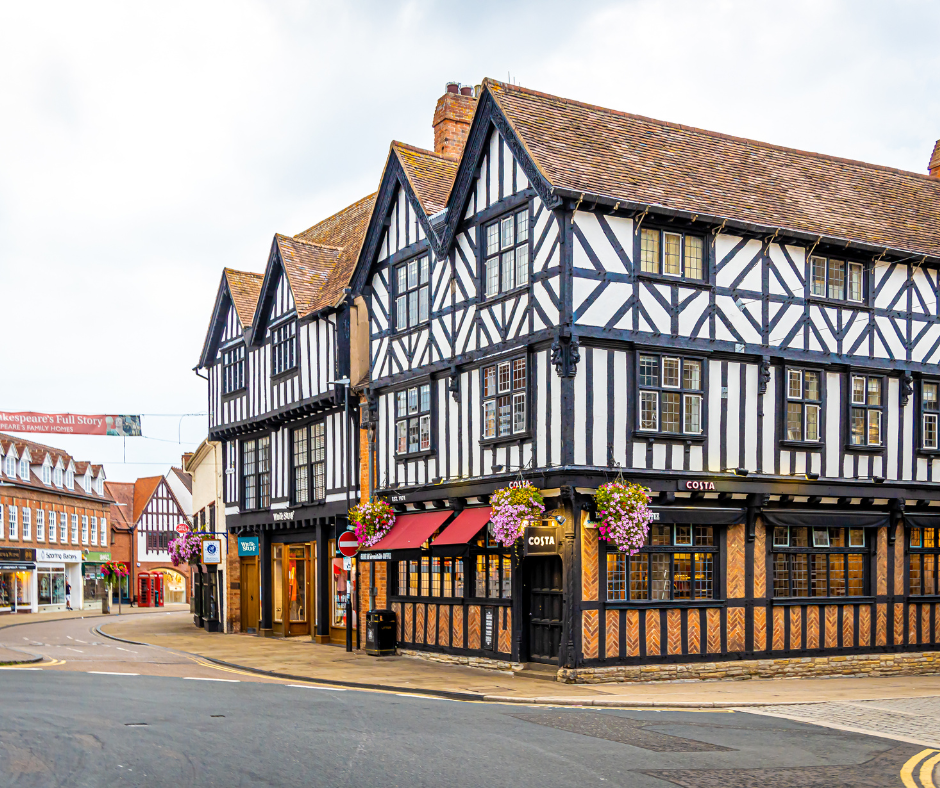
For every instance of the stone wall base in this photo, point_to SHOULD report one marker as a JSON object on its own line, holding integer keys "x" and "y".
{"x": 473, "y": 662}
{"x": 849, "y": 665}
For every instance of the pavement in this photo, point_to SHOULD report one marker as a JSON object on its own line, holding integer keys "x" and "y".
{"x": 301, "y": 658}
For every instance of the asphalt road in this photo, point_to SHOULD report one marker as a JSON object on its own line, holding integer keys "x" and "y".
{"x": 101, "y": 713}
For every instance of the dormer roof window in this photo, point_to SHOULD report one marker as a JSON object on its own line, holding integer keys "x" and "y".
{"x": 10, "y": 466}
{"x": 70, "y": 479}
{"x": 46, "y": 474}
{"x": 24, "y": 469}
{"x": 57, "y": 477}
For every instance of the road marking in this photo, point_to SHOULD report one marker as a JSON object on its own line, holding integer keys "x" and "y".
{"x": 926, "y": 771}
{"x": 204, "y": 678}
{"x": 423, "y": 697}
{"x": 70, "y": 637}
{"x": 317, "y": 686}
{"x": 907, "y": 771}
{"x": 75, "y": 649}
{"x": 110, "y": 673}
{"x": 16, "y": 667}
{"x": 80, "y": 641}
{"x": 126, "y": 649}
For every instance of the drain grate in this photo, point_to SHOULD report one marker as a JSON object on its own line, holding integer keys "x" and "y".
{"x": 619, "y": 729}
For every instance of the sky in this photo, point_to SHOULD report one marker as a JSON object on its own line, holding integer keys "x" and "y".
{"x": 145, "y": 146}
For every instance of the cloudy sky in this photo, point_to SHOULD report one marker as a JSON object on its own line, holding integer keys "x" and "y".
{"x": 144, "y": 146}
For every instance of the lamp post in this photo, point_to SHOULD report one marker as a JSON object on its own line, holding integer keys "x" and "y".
{"x": 345, "y": 384}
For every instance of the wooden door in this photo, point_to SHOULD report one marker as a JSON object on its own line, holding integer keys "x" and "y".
{"x": 250, "y": 598}
{"x": 545, "y": 601}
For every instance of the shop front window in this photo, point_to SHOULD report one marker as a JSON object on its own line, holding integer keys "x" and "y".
{"x": 922, "y": 560}
{"x": 431, "y": 577}
{"x": 340, "y": 590}
{"x": 819, "y": 562}
{"x": 51, "y": 586}
{"x": 297, "y": 583}
{"x": 278, "y": 583}
{"x": 492, "y": 570}
{"x": 15, "y": 589}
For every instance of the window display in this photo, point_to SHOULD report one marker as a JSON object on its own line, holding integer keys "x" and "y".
{"x": 51, "y": 586}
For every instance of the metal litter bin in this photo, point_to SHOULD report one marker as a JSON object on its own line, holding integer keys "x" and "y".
{"x": 381, "y": 635}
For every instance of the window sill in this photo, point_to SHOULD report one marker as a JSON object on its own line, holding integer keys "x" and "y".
{"x": 230, "y": 395}
{"x": 674, "y": 280}
{"x": 817, "y": 445}
{"x": 790, "y": 601}
{"x": 864, "y": 449}
{"x": 929, "y": 452}
{"x": 287, "y": 373}
{"x": 415, "y": 455}
{"x": 301, "y": 504}
{"x": 486, "y": 300}
{"x": 519, "y": 436}
{"x": 667, "y": 436}
{"x": 841, "y": 304}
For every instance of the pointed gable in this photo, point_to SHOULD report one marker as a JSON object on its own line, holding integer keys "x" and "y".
{"x": 431, "y": 176}
{"x": 244, "y": 289}
{"x": 144, "y": 489}
{"x": 234, "y": 311}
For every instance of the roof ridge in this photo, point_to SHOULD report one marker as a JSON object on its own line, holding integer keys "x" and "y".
{"x": 309, "y": 243}
{"x": 416, "y": 149}
{"x": 227, "y": 270}
{"x": 337, "y": 213}
{"x": 716, "y": 134}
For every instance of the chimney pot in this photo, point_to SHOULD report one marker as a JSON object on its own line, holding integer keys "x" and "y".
{"x": 934, "y": 167}
{"x": 452, "y": 117}
{"x": 452, "y": 87}
{"x": 466, "y": 90}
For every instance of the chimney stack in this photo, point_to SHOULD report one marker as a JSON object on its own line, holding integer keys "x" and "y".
{"x": 934, "y": 167}
{"x": 452, "y": 118}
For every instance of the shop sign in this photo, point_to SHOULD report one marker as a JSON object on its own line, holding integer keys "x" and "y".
{"x": 695, "y": 485}
{"x": 387, "y": 556}
{"x": 182, "y": 528}
{"x": 248, "y": 545}
{"x": 95, "y": 556}
{"x": 279, "y": 516}
{"x": 540, "y": 540}
{"x": 17, "y": 554}
{"x": 489, "y": 629}
{"x": 212, "y": 551}
{"x": 59, "y": 556}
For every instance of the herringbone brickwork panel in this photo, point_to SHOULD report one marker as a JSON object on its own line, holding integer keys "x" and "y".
{"x": 713, "y": 633}
{"x": 925, "y": 623}
{"x": 881, "y": 571}
{"x": 832, "y": 626}
{"x": 381, "y": 582}
{"x": 589, "y": 619}
{"x": 779, "y": 631}
{"x": 653, "y": 645}
{"x": 419, "y": 623}
{"x": 848, "y": 626}
{"x": 881, "y": 625}
{"x": 432, "y": 625}
{"x": 695, "y": 631}
{"x": 759, "y": 642}
{"x": 864, "y": 625}
{"x": 633, "y": 633}
{"x": 612, "y": 635}
{"x": 409, "y": 621}
{"x": 760, "y": 562}
{"x": 936, "y": 623}
{"x": 396, "y": 606}
{"x": 473, "y": 627}
{"x": 899, "y": 560}
{"x": 735, "y": 561}
{"x": 912, "y": 623}
{"x": 443, "y": 625}
{"x": 589, "y": 549}
{"x": 898, "y": 623}
{"x": 735, "y": 629}
{"x": 796, "y": 627}
{"x": 456, "y": 627}
{"x": 674, "y": 632}
{"x": 812, "y": 627}
{"x": 505, "y": 633}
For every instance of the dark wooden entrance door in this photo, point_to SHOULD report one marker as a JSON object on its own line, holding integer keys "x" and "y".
{"x": 250, "y": 599}
{"x": 545, "y": 597}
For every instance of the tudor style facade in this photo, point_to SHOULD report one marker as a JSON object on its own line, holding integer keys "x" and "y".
{"x": 567, "y": 310}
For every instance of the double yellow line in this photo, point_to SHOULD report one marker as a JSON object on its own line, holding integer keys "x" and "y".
{"x": 927, "y": 760}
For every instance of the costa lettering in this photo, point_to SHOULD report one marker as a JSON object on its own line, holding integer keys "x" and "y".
{"x": 541, "y": 541}
{"x": 699, "y": 486}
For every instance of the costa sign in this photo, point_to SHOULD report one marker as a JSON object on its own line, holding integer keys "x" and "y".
{"x": 696, "y": 485}
{"x": 540, "y": 540}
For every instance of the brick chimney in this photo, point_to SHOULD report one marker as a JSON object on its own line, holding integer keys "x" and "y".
{"x": 934, "y": 167}
{"x": 452, "y": 118}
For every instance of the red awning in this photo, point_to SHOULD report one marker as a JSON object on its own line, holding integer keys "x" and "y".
{"x": 410, "y": 531}
{"x": 455, "y": 537}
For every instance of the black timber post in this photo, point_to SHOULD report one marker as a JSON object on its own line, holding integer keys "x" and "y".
{"x": 570, "y": 565}
{"x": 565, "y": 348}
{"x": 323, "y": 570}
{"x": 267, "y": 589}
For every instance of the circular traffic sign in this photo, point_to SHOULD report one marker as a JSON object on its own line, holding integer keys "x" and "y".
{"x": 182, "y": 528}
{"x": 348, "y": 544}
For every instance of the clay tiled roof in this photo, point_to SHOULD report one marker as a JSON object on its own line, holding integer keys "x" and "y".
{"x": 144, "y": 489}
{"x": 308, "y": 267}
{"x": 37, "y": 453}
{"x": 431, "y": 176}
{"x": 597, "y": 151}
{"x": 245, "y": 288}
{"x": 341, "y": 236}
{"x": 122, "y": 493}
{"x": 934, "y": 165}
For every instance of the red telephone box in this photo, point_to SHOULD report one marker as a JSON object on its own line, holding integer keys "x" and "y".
{"x": 144, "y": 597}
{"x": 157, "y": 582}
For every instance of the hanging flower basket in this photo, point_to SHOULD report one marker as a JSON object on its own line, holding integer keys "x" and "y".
{"x": 624, "y": 515}
{"x": 372, "y": 520}
{"x": 513, "y": 507}
{"x": 185, "y": 549}
{"x": 114, "y": 571}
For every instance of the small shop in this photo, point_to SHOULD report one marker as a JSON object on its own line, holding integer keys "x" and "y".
{"x": 94, "y": 588}
{"x": 292, "y": 588}
{"x": 17, "y": 580}
{"x": 341, "y": 588}
{"x": 174, "y": 586}
{"x": 57, "y": 573}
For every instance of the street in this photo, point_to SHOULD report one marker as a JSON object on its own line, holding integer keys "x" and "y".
{"x": 100, "y": 712}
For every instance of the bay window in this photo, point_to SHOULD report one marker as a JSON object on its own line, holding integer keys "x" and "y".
{"x": 504, "y": 399}
{"x": 866, "y": 411}
{"x": 804, "y": 405}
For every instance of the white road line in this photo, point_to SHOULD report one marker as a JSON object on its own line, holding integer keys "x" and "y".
{"x": 80, "y": 641}
{"x": 126, "y": 649}
{"x": 110, "y": 673}
{"x": 14, "y": 667}
{"x": 423, "y": 697}
{"x": 75, "y": 649}
{"x": 310, "y": 686}
{"x": 203, "y": 678}
{"x": 69, "y": 637}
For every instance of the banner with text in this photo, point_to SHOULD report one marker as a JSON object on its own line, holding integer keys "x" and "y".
{"x": 70, "y": 423}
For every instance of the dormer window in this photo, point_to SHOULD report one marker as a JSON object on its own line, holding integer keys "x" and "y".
{"x": 46, "y": 474}
{"x": 284, "y": 347}
{"x": 673, "y": 254}
{"x": 24, "y": 469}
{"x": 69, "y": 479}
{"x": 10, "y": 469}
{"x": 57, "y": 477}
{"x": 411, "y": 293}
{"x": 507, "y": 253}
{"x": 99, "y": 485}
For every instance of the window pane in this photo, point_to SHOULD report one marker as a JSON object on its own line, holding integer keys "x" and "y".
{"x": 856, "y": 578}
{"x": 874, "y": 391}
{"x": 820, "y": 537}
{"x": 811, "y": 384}
{"x": 425, "y": 397}
{"x": 649, "y": 371}
{"x": 423, "y": 266}
{"x": 522, "y": 226}
{"x": 858, "y": 391}
{"x": 855, "y": 281}
{"x": 616, "y": 577}
{"x": 874, "y": 427}
{"x": 401, "y": 312}
{"x": 506, "y": 591}
{"x": 425, "y": 433}
{"x": 522, "y": 265}
{"x": 693, "y": 257}
{"x": 683, "y": 535}
{"x": 794, "y": 421}
{"x": 509, "y": 270}
{"x": 458, "y": 577}
{"x": 693, "y": 414}
{"x": 425, "y": 571}
{"x": 402, "y": 279}
{"x": 508, "y": 232}
{"x": 422, "y": 304}
{"x": 413, "y": 400}
{"x": 672, "y": 264}
{"x": 914, "y": 572}
{"x": 639, "y": 580}
{"x": 703, "y": 575}
{"x": 402, "y": 578}
{"x": 858, "y": 426}
{"x": 837, "y": 575}
{"x": 930, "y": 396}
{"x": 794, "y": 384}
{"x": 492, "y": 239}
{"x": 856, "y": 537}
{"x": 800, "y": 575}
{"x": 489, "y": 419}
{"x": 671, "y": 372}
{"x": 401, "y": 403}
{"x": 518, "y": 374}
{"x": 799, "y": 537}
{"x": 682, "y": 576}
{"x": 818, "y": 285}
{"x": 781, "y": 536}
{"x": 504, "y": 415}
{"x": 704, "y": 536}
{"x": 649, "y": 251}
{"x": 413, "y": 308}
{"x": 413, "y": 435}
{"x": 692, "y": 375}
{"x": 505, "y": 377}
{"x": 413, "y": 578}
{"x": 489, "y": 381}
{"x": 447, "y": 578}
{"x": 930, "y": 430}
{"x": 435, "y": 576}
{"x": 930, "y": 574}
{"x": 492, "y": 276}
{"x": 812, "y": 422}
{"x": 660, "y": 581}
{"x": 836, "y": 279}
{"x": 915, "y": 537}
{"x": 929, "y": 537}
{"x": 818, "y": 564}
{"x": 518, "y": 412}
{"x": 670, "y": 417}
{"x": 660, "y": 535}
{"x": 781, "y": 576}
{"x": 412, "y": 273}
{"x": 493, "y": 576}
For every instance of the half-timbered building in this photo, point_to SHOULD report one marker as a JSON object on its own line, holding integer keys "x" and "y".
{"x": 750, "y": 331}
{"x": 277, "y": 356}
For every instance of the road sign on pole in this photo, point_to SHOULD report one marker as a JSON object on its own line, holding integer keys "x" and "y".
{"x": 348, "y": 544}
{"x": 182, "y": 528}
